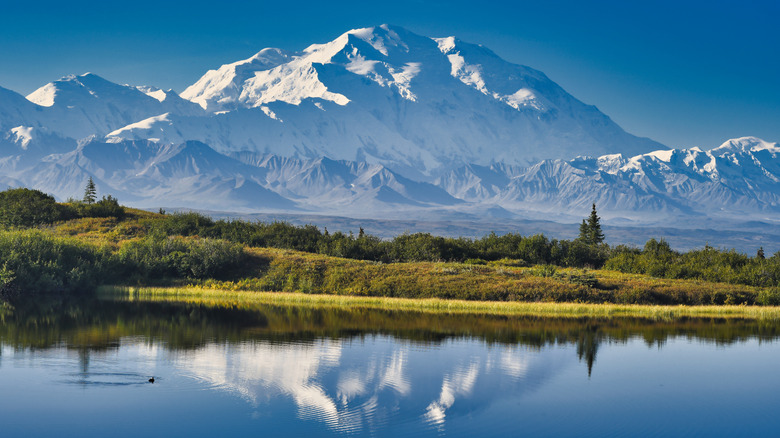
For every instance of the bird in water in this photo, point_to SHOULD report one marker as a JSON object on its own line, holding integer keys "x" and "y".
{"x": 151, "y": 380}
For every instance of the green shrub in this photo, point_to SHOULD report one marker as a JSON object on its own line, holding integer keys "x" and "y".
{"x": 511, "y": 263}
{"x": 544, "y": 271}
{"x": 583, "y": 278}
{"x": 185, "y": 224}
{"x": 415, "y": 247}
{"x": 8, "y": 290}
{"x": 22, "y": 208}
{"x": 475, "y": 262}
{"x": 157, "y": 257}
{"x": 106, "y": 207}
{"x": 34, "y": 261}
{"x": 769, "y": 297}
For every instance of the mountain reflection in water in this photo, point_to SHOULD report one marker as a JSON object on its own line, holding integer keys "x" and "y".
{"x": 350, "y": 370}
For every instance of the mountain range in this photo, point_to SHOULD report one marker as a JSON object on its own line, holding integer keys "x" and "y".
{"x": 379, "y": 122}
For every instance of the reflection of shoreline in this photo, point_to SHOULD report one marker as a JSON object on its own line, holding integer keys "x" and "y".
{"x": 96, "y": 324}
{"x": 359, "y": 386}
{"x": 347, "y": 370}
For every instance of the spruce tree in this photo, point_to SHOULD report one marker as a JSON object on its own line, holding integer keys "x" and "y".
{"x": 760, "y": 253}
{"x": 590, "y": 229}
{"x": 584, "y": 232}
{"x": 90, "y": 192}
{"x": 594, "y": 227}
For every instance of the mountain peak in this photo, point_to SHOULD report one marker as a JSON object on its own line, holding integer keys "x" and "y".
{"x": 87, "y": 85}
{"x": 382, "y": 38}
{"x": 221, "y": 88}
{"x": 381, "y": 94}
{"x": 269, "y": 57}
{"x": 388, "y": 95}
{"x": 745, "y": 144}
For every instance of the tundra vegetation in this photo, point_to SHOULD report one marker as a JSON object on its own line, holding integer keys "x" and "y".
{"x": 71, "y": 248}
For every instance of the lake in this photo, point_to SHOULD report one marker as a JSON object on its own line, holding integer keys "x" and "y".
{"x": 82, "y": 368}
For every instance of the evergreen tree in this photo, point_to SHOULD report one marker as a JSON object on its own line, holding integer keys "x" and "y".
{"x": 90, "y": 192}
{"x": 760, "y": 253}
{"x": 594, "y": 227}
{"x": 590, "y": 229}
{"x": 584, "y": 232}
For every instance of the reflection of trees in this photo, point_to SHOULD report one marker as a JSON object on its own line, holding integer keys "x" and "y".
{"x": 587, "y": 344}
{"x": 100, "y": 324}
{"x": 83, "y": 360}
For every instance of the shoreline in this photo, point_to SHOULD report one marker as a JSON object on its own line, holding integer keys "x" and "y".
{"x": 218, "y": 297}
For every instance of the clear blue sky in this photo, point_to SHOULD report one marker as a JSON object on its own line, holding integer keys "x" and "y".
{"x": 685, "y": 73}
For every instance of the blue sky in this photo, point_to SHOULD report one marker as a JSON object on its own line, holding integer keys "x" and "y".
{"x": 683, "y": 73}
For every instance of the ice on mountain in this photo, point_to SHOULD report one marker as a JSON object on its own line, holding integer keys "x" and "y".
{"x": 23, "y": 135}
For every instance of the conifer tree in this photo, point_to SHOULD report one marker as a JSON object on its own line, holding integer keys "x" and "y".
{"x": 760, "y": 253}
{"x": 590, "y": 229}
{"x": 584, "y": 232}
{"x": 594, "y": 227}
{"x": 90, "y": 192}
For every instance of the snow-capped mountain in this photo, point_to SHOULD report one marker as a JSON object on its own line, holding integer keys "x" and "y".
{"x": 79, "y": 107}
{"x": 378, "y": 122}
{"x": 385, "y": 95}
{"x": 88, "y": 105}
{"x": 739, "y": 178}
{"x": 192, "y": 174}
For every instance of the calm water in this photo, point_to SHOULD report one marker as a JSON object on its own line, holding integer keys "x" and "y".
{"x": 82, "y": 369}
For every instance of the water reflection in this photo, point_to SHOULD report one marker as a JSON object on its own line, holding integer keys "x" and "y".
{"x": 358, "y": 385}
{"x": 351, "y": 371}
{"x": 86, "y": 378}
{"x": 460, "y": 383}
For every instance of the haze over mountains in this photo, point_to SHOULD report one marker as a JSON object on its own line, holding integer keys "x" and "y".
{"x": 379, "y": 122}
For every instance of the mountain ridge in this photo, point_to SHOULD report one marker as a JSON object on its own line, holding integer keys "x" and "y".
{"x": 378, "y": 121}
{"x": 418, "y": 105}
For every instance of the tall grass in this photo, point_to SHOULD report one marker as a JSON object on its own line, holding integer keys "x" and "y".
{"x": 537, "y": 309}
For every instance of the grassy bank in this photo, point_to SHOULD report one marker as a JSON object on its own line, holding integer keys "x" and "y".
{"x": 146, "y": 249}
{"x": 276, "y": 270}
{"x": 223, "y": 298}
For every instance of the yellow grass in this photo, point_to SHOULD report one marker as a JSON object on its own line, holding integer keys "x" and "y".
{"x": 217, "y": 297}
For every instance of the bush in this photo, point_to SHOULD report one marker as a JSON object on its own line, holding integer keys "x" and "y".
{"x": 510, "y": 263}
{"x": 37, "y": 262}
{"x": 769, "y": 297}
{"x": 184, "y": 224}
{"x": 544, "y": 271}
{"x": 475, "y": 262}
{"x": 8, "y": 290}
{"x": 583, "y": 278}
{"x": 22, "y": 208}
{"x": 415, "y": 247}
{"x": 106, "y": 207}
{"x": 156, "y": 257}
